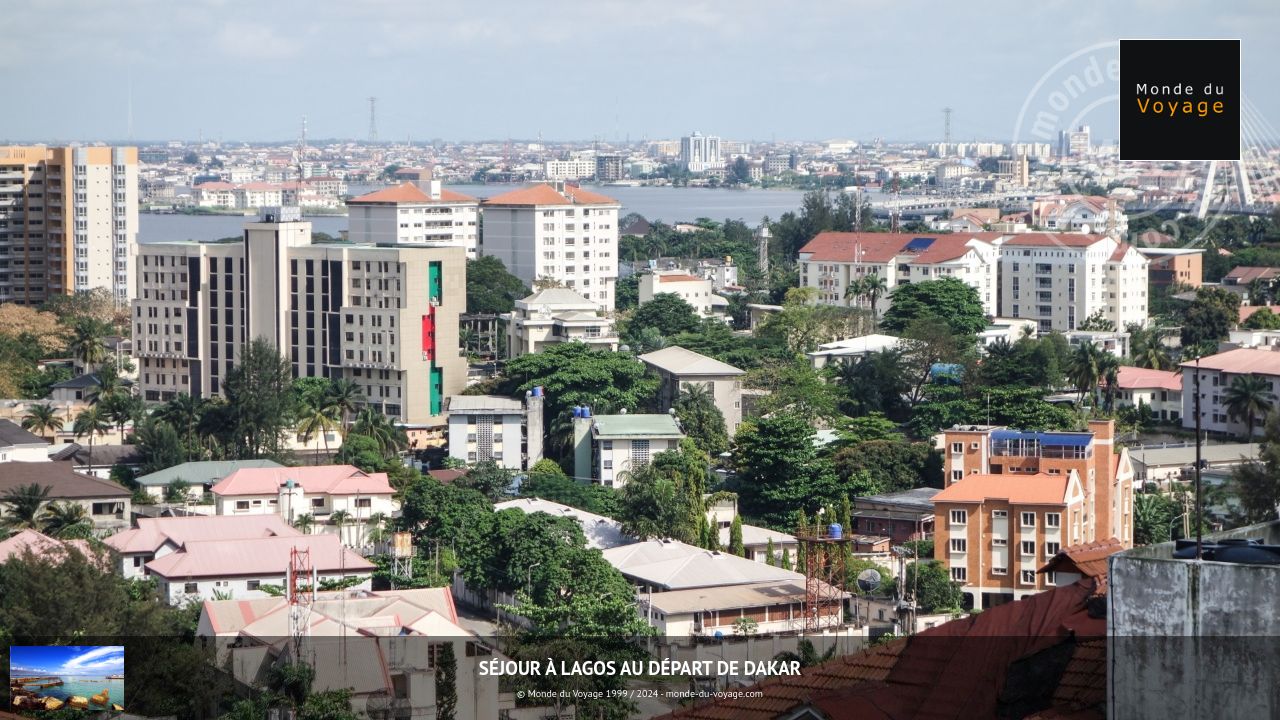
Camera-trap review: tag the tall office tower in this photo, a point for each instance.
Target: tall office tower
(68, 221)
(700, 152)
(556, 232)
(385, 318)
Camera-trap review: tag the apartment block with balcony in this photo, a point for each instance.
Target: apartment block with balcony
(501, 429)
(68, 221)
(1106, 475)
(1060, 280)
(385, 318)
(556, 315)
(409, 215)
(833, 261)
(608, 447)
(556, 232)
(1216, 373)
(994, 531)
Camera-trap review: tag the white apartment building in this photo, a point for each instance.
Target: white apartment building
(68, 221)
(383, 317)
(556, 232)
(556, 315)
(607, 447)
(696, 291)
(1216, 374)
(1160, 391)
(699, 153)
(832, 261)
(1061, 279)
(501, 429)
(1079, 214)
(578, 168)
(407, 215)
(680, 368)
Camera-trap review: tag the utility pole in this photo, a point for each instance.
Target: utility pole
(373, 119)
(946, 126)
(1199, 499)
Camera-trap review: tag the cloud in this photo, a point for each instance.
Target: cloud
(108, 658)
(256, 41)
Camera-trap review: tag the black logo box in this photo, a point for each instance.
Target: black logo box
(1187, 69)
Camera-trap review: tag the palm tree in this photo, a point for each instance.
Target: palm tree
(183, 412)
(304, 523)
(24, 504)
(1111, 376)
(376, 528)
(873, 286)
(42, 419)
(806, 654)
(317, 420)
(91, 421)
(1087, 368)
(108, 383)
(340, 519)
(855, 289)
(121, 408)
(66, 520)
(1248, 396)
(345, 397)
(1148, 348)
(370, 421)
(87, 346)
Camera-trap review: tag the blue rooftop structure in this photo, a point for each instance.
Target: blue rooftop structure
(1021, 443)
(919, 244)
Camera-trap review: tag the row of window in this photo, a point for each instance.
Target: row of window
(1027, 577)
(1028, 547)
(1052, 520)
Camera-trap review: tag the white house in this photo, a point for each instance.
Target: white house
(488, 427)
(318, 490)
(19, 445)
(680, 368)
(1159, 390)
(156, 537)
(199, 475)
(697, 291)
(1216, 373)
(606, 447)
(107, 504)
(850, 350)
(556, 315)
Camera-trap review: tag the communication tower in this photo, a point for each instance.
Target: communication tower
(823, 549)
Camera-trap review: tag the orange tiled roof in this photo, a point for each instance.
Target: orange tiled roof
(409, 193)
(833, 246)
(678, 278)
(1088, 559)
(544, 194)
(1037, 489)
(1134, 378)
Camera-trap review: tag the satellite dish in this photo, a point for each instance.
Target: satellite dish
(869, 579)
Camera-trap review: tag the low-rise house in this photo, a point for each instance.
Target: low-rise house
(488, 427)
(389, 642)
(756, 542)
(606, 447)
(602, 532)
(102, 460)
(156, 537)
(237, 569)
(679, 369)
(318, 491)
(81, 387)
(901, 516)
(695, 290)
(1160, 391)
(106, 502)
(1163, 465)
(200, 475)
(556, 315)
(19, 445)
(851, 350)
(1216, 373)
(43, 547)
(1113, 342)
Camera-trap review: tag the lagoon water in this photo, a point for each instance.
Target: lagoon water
(86, 687)
(669, 204)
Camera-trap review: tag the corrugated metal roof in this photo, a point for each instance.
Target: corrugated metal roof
(640, 425)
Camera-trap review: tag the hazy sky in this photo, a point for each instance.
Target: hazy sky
(569, 69)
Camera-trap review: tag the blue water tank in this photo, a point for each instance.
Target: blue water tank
(577, 411)
(537, 391)
(586, 411)
(835, 531)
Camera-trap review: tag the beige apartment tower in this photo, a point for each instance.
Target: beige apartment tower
(68, 221)
(384, 317)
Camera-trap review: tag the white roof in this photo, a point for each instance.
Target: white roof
(680, 361)
(857, 346)
(559, 297)
(601, 532)
(676, 566)
(683, 602)
(752, 536)
(483, 403)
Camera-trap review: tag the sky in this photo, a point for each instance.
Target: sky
(87, 70)
(85, 661)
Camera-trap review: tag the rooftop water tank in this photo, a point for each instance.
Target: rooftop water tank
(835, 531)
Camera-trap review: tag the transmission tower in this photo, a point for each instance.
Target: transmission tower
(895, 216)
(373, 119)
(946, 126)
(824, 549)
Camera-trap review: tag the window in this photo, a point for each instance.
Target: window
(253, 584)
(957, 447)
(608, 464)
(959, 574)
(191, 588)
(1028, 577)
(137, 561)
(242, 505)
(959, 545)
(1053, 520)
(317, 502)
(959, 517)
(1028, 547)
(999, 542)
(999, 571)
(957, 475)
(999, 514)
(1028, 519)
(364, 502)
(606, 444)
(1051, 549)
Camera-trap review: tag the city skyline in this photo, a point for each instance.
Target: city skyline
(607, 70)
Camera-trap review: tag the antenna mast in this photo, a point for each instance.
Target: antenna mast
(946, 126)
(373, 119)
(301, 597)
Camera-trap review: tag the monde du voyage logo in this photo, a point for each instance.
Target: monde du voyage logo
(1180, 99)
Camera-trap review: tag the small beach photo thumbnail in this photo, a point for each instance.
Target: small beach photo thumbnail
(89, 678)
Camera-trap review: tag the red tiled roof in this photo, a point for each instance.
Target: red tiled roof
(544, 194)
(1088, 559)
(678, 278)
(1247, 311)
(322, 479)
(1241, 361)
(1135, 378)
(1121, 250)
(1037, 489)
(882, 247)
(1244, 274)
(409, 193)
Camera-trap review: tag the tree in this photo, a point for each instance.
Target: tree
(390, 437)
(802, 324)
(183, 413)
(491, 289)
(806, 654)
(663, 499)
(304, 523)
(87, 345)
(42, 419)
(42, 328)
(779, 470)
(700, 419)
(66, 520)
(794, 386)
(1089, 363)
(91, 421)
(1148, 348)
(318, 418)
(1153, 517)
(932, 587)
(735, 537)
(667, 313)
(888, 466)
(330, 705)
(446, 683)
(258, 392)
(1248, 397)
(177, 490)
(1098, 322)
(159, 445)
(1262, 319)
(929, 341)
(339, 519)
(874, 383)
(488, 478)
(1209, 319)
(345, 398)
(626, 293)
(949, 299)
(24, 504)
(547, 481)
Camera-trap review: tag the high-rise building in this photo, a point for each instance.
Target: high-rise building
(385, 318)
(413, 215)
(1060, 280)
(68, 221)
(608, 168)
(556, 232)
(700, 152)
(1075, 143)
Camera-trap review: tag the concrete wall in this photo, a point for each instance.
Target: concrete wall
(1193, 639)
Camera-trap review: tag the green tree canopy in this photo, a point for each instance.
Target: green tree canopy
(259, 395)
(950, 299)
(932, 587)
(667, 313)
(491, 289)
(701, 420)
(779, 470)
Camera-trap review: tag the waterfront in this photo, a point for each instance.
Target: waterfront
(85, 687)
(669, 204)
